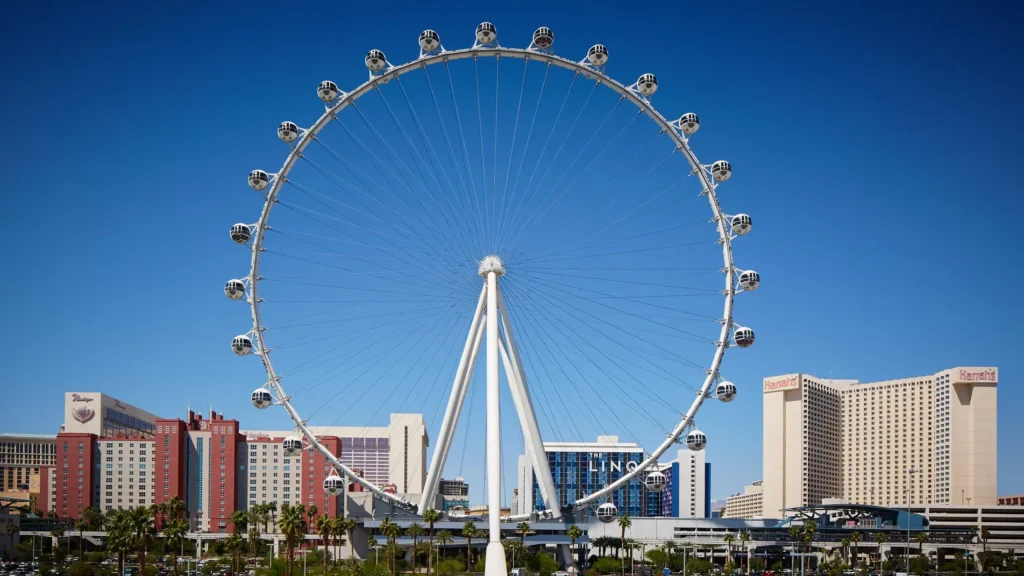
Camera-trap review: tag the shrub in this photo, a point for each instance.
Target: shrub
(449, 567)
(607, 566)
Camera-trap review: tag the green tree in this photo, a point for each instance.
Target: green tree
(175, 531)
(311, 513)
(855, 539)
(324, 527)
(92, 519)
(235, 545)
(880, 538)
(469, 531)
(574, 533)
(416, 531)
(657, 557)
(140, 529)
(391, 531)
(744, 539)
(444, 538)
(624, 522)
(174, 508)
(431, 517)
(921, 537)
(292, 524)
(728, 539)
(348, 525)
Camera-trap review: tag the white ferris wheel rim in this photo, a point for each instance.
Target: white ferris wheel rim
(444, 56)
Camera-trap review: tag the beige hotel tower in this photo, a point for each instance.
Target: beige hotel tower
(826, 438)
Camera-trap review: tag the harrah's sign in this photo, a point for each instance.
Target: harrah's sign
(785, 383)
(980, 375)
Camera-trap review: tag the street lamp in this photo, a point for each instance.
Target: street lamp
(910, 474)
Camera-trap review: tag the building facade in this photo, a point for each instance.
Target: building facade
(21, 457)
(101, 415)
(687, 492)
(582, 468)
(749, 504)
(930, 437)
(453, 493)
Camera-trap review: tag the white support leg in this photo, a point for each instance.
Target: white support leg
(451, 415)
(528, 417)
(495, 564)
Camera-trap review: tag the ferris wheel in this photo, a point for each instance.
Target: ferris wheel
(510, 199)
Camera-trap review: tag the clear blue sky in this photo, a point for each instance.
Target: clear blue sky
(874, 145)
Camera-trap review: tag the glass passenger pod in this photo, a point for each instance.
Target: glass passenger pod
(647, 84)
(288, 131)
(725, 391)
(689, 123)
(258, 180)
(741, 224)
(261, 398)
(607, 512)
(327, 91)
(543, 37)
(696, 440)
(721, 170)
(242, 345)
(750, 280)
(486, 33)
(234, 289)
(429, 41)
(240, 233)
(292, 446)
(375, 60)
(333, 484)
(744, 337)
(655, 481)
(597, 55)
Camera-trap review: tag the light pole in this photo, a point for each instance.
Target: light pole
(910, 474)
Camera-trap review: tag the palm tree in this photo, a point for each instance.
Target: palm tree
(624, 522)
(234, 545)
(983, 535)
(156, 512)
(921, 538)
(445, 537)
(845, 548)
(371, 543)
(744, 538)
(469, 531)
(117, 535)
(238, 521)
(431, 516)
(523, 528)
(174, 532)
(390, 530)
(729, 539)
(272, 510)
(92, 519)
(855, 538)
(325, 528)
(415, 530)
(57, 533)
(880, 538)
(348, 525)
(293, 525)
(254, 530)
(140, 530)
(574, 534)
(174, 508)
(808, 537)
(311, 512)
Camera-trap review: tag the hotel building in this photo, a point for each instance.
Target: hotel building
(214, 467)
(749, 504)
(102, 415)
(582, 468)
(932, 438)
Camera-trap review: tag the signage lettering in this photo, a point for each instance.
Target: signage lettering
(77, 398)
(119, 405)
(787, 383)
(978, 375)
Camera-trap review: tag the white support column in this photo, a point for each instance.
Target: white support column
(527, 416)
(451, 415)
(495, 564)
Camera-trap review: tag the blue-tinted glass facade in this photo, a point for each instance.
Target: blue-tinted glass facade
(578, 474)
